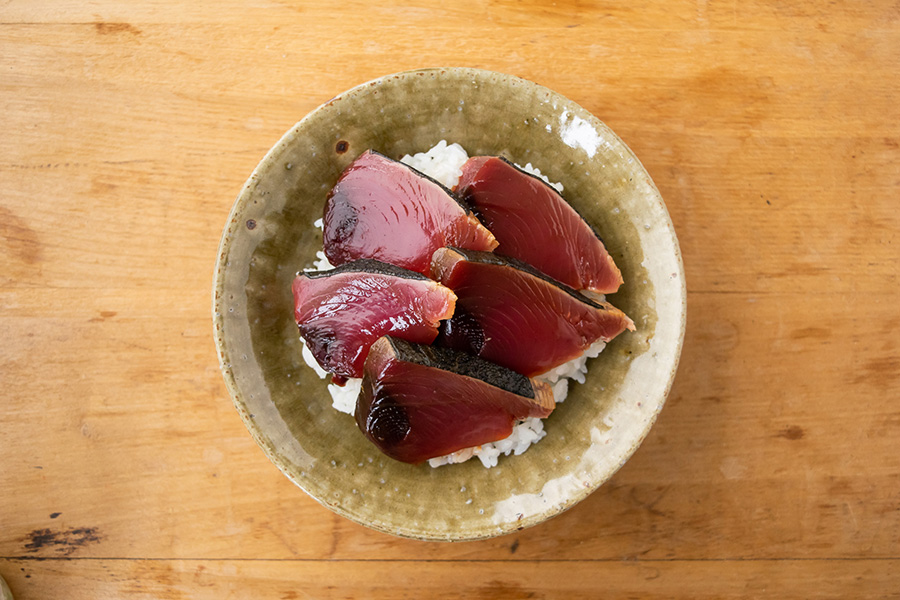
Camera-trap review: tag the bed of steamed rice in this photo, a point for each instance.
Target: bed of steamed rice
(443, 163)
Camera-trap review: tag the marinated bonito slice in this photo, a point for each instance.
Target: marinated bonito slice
(510, 314)
(341, 312)
(533, 223)
(381, 208)
(418, 402)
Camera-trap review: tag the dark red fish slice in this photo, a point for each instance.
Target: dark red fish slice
(383, 209)
(418, 402)
(510, 314)
(533, 223)
(341, 312)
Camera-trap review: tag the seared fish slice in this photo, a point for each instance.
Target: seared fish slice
(510, 314)
(418, 402)
(533, 223)
(342, 311)
(380, 208)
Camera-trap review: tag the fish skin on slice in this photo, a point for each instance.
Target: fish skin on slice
(341, 312)
(383, 209)
(533, 223)
(509, 313)
(417, 402)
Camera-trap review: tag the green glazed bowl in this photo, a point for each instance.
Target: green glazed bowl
(271, 235)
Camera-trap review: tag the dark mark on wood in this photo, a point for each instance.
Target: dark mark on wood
(109, 28)
(104, 314)
(791, 433)
(65, 542)
(810, 332)
(514, 547)
(21, 241)
(505, 590)
(54, 515)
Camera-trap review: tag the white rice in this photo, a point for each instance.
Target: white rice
(444, 163)
(321, 263)
(525, 433)
(576, 368)
(344, 398)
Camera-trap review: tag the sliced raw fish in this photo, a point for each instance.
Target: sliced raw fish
(418, 402)
(533, 223)
(381, 208)
(342, 311)
(511, 314)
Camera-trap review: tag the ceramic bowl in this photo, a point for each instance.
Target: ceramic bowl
(271, 235)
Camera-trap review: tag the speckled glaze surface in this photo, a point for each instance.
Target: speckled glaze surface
(270, 236)
(5, 594)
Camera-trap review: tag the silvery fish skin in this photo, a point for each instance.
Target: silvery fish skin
(341, 312)
(509, 313)
(383, 209)
(533, 223)
(418, 402)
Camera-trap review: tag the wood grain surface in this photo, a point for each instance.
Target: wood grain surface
(772, 131)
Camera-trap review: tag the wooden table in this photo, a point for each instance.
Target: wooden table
(773, 133)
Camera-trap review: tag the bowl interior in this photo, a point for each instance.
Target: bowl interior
(271, 235)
